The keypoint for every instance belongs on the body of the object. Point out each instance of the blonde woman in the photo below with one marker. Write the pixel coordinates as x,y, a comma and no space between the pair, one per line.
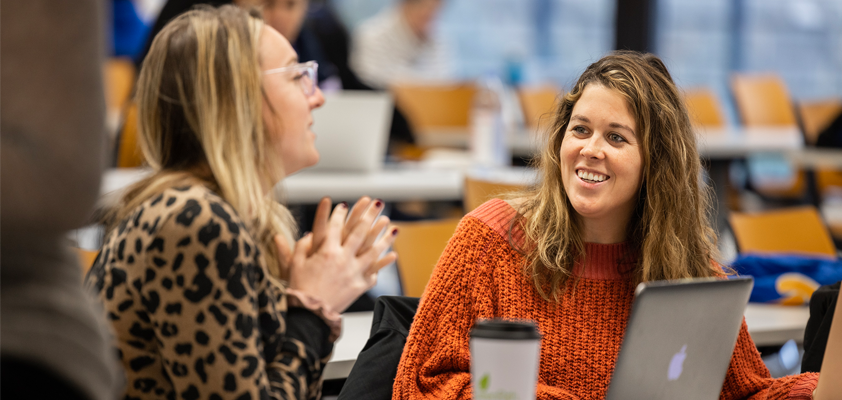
620,202
207,292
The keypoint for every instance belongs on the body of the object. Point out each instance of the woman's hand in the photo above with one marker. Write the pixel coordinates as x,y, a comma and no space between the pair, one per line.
339,261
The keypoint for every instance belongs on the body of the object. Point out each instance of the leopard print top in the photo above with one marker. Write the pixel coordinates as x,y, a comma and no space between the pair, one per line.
194,314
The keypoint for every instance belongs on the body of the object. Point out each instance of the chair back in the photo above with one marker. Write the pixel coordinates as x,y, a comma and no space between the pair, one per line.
435,107
790,230
419,246
118,77
538,105
762,100
477,191
129,154
816,116
703,107
86,258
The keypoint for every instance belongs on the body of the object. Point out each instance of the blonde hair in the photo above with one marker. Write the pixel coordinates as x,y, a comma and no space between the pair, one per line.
670,227
200,99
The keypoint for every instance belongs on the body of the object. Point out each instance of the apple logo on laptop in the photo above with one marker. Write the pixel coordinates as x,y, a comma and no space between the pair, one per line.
676,364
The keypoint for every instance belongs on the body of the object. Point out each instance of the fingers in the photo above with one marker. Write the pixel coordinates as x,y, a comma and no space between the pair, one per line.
320,223
383,262
380,246
356,213
336,223
302,248
375,232
363,227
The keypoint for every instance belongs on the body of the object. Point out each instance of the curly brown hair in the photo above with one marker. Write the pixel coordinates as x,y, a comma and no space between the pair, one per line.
670,226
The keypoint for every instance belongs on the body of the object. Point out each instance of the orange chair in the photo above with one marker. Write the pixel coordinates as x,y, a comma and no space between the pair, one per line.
436,108
119,75
789,230
86,258
538,105
815,117
477,191
419,247
129,154
763,100
703,107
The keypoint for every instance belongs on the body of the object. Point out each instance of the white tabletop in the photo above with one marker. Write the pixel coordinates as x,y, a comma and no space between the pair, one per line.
418,181
734,142
768,325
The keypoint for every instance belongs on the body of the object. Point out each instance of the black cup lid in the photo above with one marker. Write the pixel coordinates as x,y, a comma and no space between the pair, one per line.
505,329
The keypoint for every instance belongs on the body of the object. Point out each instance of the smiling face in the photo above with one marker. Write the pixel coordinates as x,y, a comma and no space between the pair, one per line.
601,163
288,126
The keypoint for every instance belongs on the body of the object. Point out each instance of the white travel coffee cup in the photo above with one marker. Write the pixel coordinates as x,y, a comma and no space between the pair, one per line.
504,359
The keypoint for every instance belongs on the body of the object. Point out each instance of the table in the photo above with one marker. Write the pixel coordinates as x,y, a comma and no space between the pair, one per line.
390,184
412,181
768,324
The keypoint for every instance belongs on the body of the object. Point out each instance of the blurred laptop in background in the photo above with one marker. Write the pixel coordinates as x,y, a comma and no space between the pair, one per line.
352,130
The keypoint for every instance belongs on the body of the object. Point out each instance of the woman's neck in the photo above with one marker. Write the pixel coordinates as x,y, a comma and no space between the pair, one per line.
604,231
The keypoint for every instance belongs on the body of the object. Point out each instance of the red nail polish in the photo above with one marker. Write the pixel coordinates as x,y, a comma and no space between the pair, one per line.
395,232
343,204
378,203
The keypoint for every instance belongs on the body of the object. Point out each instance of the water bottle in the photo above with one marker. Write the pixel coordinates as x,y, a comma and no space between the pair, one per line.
488,137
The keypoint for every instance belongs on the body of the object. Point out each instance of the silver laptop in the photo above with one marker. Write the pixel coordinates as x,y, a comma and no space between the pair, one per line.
680,338
352,130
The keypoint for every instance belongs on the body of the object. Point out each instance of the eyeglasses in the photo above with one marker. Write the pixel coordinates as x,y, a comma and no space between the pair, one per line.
305,73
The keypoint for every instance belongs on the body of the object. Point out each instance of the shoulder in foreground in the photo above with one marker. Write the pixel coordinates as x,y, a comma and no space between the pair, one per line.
187,205
497,214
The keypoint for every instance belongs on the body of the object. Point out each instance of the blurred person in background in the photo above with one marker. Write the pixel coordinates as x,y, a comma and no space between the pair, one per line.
55,341
207,290
285,16
397,45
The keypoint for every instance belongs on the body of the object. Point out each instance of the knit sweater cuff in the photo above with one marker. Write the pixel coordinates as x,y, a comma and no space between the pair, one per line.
804,386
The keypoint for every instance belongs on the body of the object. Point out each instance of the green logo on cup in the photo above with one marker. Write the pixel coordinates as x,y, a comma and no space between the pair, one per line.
483,383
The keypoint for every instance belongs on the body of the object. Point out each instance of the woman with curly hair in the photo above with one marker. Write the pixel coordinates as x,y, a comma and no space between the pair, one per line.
619,202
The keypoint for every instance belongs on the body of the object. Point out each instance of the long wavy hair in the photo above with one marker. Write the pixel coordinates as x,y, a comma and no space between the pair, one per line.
200,98
670,226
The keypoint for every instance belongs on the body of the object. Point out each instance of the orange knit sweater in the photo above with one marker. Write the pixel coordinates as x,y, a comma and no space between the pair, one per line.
479,276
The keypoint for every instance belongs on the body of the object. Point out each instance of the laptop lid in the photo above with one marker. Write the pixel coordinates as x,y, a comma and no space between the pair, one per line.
352,130
679,339
830,379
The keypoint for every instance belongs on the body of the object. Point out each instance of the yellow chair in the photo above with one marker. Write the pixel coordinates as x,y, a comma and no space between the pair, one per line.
129,154
435,107
477,191
816,116
86,259
789,230
703,107
763,100
419,246
538,105
118,77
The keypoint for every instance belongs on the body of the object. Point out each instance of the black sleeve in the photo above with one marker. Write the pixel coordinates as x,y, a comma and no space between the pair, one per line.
822,305
309,329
